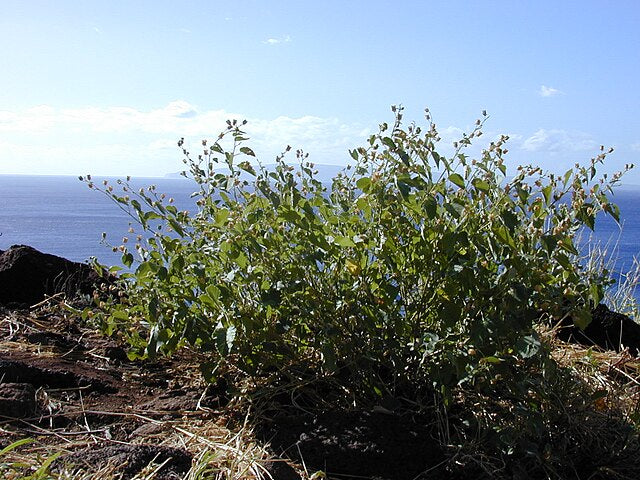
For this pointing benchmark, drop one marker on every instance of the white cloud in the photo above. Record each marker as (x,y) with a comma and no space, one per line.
(558,141)
(548,91)
(275,41)
(177,116)
(635,147)
(126,140)
(451,134)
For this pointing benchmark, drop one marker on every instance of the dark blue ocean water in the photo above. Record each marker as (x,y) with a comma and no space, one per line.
(62,216)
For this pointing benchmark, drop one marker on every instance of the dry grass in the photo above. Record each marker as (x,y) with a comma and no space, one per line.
(218,452)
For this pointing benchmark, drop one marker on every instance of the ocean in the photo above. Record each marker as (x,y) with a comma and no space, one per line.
(62,216)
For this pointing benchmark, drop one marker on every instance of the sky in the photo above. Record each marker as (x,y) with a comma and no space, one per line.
(109,87)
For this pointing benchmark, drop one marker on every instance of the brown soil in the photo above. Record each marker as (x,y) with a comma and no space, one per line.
(64,382)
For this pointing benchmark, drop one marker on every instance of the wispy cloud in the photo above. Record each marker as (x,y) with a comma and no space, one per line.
(126,140)
(635,147)
(549,91)
(558,141)
(277,40)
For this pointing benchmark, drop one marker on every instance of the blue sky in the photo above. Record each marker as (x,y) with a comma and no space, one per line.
(108,87)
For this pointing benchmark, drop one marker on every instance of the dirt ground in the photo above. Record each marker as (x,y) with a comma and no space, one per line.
(74,388)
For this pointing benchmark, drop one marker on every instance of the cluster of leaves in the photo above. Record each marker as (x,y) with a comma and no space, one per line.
(411,269)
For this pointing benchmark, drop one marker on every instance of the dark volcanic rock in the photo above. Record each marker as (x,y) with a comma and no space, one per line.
(17,400)
(27,275)
(608,330)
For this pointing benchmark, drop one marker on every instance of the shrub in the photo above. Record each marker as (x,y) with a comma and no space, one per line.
(411,269)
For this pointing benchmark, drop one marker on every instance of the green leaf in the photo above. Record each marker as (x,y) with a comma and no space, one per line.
(241,260)
(510,220)
(213,291)
(598,394)
(389,143)
(454,209)
(176,227)
(344,242)
(503,234)
(290,215)
(480,184)
(44,468)
(247,167)
(207,301)
(613,210)
(120,315)
(546,192)
(567,245)
(456,179)
(144,270)
(405,188)
(564,261)
(221,217)
(550,242)
(596,293)
(153,308)
(587,218)
(127,259)
(162,273)
(437,158)
(363,184)
(247,151)
(491,359)
(353,267)
(151,216)
(329,358)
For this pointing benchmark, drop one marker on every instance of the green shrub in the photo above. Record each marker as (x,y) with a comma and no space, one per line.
(412,269)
